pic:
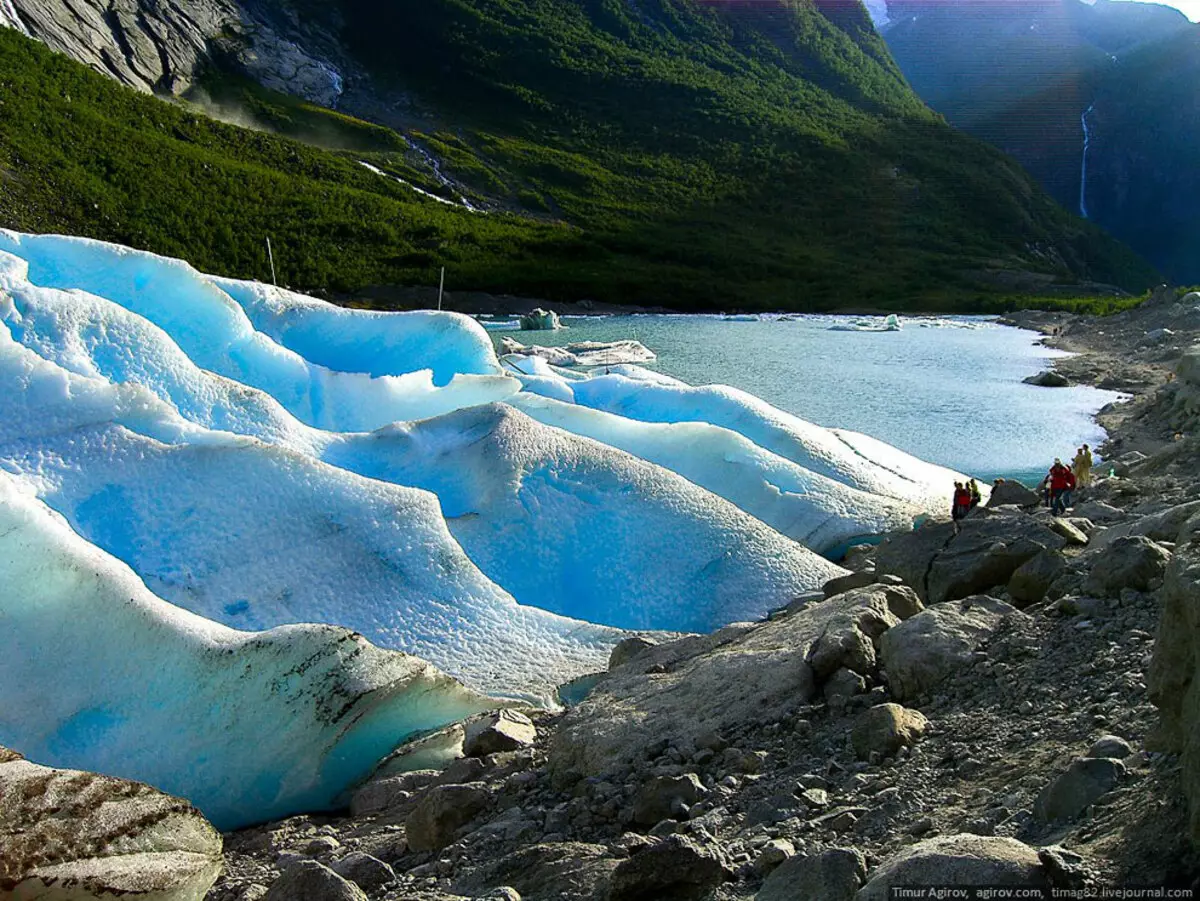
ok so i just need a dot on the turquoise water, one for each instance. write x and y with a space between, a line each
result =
949 392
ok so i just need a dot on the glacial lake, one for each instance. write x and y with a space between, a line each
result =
948 390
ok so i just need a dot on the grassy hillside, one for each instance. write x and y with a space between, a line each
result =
712 155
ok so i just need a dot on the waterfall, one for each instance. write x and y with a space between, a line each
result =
9 17
1087 140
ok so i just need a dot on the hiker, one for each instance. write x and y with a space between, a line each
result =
1060 478
1044 488
962 502
976 497
1068 495
1082 466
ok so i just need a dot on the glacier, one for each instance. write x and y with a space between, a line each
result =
198 469
99 674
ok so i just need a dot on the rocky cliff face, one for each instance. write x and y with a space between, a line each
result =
162 45
1021 75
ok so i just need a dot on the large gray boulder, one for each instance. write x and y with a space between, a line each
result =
1173 681
834 875
945 565
921 652
661 797
1010 492
1133 562
1086 781
1034 577
66 835
504 730
307 880
441 812
885 729
677 692
676 868
1048 379
957 860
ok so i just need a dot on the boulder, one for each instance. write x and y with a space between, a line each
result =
1173 681
842 686
834 875
957 860
1112 747
504 730
441 812
550 870
307 880
1010 492
1134 562
1098 511
390 793
860 579
676 868
628 648
66 834
1086 781
681 691
885 729
369 873
922 651
1068 531
660 797
945 565
1048 379
1034 577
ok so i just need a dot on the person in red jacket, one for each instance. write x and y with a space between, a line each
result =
962 502
1060 484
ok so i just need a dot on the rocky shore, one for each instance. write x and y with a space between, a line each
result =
1007 703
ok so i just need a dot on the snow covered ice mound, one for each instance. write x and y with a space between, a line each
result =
577 527
257 535
98 673
322 435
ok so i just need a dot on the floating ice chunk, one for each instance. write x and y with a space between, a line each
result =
812 447
815 511
215 333
574 526
540 321
99 674
890 324
584 353
367 341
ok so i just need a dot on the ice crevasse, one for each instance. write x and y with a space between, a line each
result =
239 459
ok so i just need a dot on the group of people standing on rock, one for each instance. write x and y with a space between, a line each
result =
1062 480
966 498
1056 488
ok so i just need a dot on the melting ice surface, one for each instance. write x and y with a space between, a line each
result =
262 459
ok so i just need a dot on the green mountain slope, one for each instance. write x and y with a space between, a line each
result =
694 154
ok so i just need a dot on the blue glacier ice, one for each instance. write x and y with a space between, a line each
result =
506 485
193 468
99 674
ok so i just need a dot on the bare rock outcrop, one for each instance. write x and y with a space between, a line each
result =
945 564
678 691
1173 681
163 46
66 834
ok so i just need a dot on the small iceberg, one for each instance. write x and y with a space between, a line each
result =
584 353
890 324
742 317
540 321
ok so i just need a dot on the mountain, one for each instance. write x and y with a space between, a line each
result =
1022 75
696 153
